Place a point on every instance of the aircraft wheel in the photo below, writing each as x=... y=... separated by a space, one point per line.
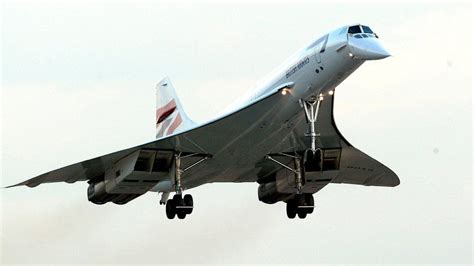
x=178 y=200
x=188 y=201
x=302 y=213
x=300 y=200
x=309 y=202
x=170 y=209
x=291 y=209
x=181 y=214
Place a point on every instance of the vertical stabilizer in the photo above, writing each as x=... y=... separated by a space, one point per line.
x=170 y=116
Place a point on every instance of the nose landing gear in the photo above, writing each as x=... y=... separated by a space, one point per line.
x=311 y=110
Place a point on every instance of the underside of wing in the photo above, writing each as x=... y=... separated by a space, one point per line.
x=210 y=138
x=335 y=159
x=354 y=166
x=360 y=169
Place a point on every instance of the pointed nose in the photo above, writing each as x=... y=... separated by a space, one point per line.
x=368 y=49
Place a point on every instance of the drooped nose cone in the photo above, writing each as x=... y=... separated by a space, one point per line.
x=367 y=48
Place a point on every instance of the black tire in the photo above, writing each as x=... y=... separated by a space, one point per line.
x=291 y=209
x=188 y=201
x=302 y=213
x=178 y=200
x=309 y=202
x=181 y=214
x=170 y=209
x=300 y=200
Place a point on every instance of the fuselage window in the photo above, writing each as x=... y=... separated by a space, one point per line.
x=357 y=36
x=367 y=29
x=354 y=29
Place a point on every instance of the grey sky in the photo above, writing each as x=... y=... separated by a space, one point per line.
x=78 y=82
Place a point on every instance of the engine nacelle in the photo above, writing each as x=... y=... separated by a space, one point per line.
x=131 y=177
x=97 y=194
x=268 y=193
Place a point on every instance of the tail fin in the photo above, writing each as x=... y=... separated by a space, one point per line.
x=170 y=116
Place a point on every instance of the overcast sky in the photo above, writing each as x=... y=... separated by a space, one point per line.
x=78 y=82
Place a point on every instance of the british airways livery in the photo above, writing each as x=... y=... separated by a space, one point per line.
x=281 y=135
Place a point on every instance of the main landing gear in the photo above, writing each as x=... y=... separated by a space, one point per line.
x=180 y=205
x=302 y=204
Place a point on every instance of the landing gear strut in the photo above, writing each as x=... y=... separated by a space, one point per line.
x=311 y=110
x=302 y=204
x=298 y=171
x=181 y=206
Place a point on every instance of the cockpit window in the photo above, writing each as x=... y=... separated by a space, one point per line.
x=367 y=29
x=363 y=35
x=354 y=29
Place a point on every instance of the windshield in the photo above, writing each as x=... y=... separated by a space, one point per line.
x=361 y=31
x=367 y=29
x=354 y=29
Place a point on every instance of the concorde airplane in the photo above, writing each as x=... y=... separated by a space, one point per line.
x=281 y=134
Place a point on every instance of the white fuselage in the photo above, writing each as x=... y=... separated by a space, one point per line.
x=317 y=68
